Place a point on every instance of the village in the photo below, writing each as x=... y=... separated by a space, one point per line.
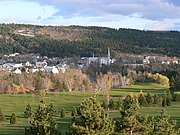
x=30 y=63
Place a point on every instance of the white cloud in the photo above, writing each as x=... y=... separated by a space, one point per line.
x=138 y=14
x=19 y=11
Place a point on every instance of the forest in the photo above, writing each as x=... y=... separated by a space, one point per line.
x=68 y=41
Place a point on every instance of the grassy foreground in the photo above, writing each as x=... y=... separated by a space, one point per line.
x=17 y=104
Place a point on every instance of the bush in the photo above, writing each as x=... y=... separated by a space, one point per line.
x=13 y=119
x=63 y=113
x=74 y=112
x=104 y=104
x=118 y=104
x=111 y=104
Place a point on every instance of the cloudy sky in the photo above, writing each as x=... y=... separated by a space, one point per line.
x=136 y=14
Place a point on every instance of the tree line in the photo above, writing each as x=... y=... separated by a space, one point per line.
x=90 y=118
x=84 y=41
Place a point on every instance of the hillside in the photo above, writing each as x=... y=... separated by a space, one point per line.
x=67 y=41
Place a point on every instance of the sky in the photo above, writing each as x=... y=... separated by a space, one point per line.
x=135 y=14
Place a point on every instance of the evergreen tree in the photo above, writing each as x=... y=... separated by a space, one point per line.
x=74 y=112
x=164 y=125
x=142 y=100
x=2 y=118
x=43 y=122
x=164 y=100
x=104 y=105
x=169 y=98
x=28 y=112
x=156 y=99
x=13 y=119
x=149 y=98
x=118 y=104
x=111 y=104
x=175 y=84
x=63 y=113
x=93 y=120
x=130 y=121
x=51 y=109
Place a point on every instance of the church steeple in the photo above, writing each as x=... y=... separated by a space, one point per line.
x=109 y=56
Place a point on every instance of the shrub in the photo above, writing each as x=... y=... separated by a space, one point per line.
x=13 y=119
x=74 y=112
x=63 y=113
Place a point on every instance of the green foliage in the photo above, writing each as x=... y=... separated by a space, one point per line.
x=130 y=121
x=13 y=119
x=85 y=40
x=175 y=84
x=142 y=100
x=93 y=120
x=74 y=112
x=104 y=104
x=63 y=113
x=159 y=79
x=43 y=122
x=2 y=117
x=169 y=98
x=118 y=104
x=149 y=98
x=164 y=125
x=164 y=101
x=157 y=99
x=28 y=112
x=111 y=104
x=129 y=112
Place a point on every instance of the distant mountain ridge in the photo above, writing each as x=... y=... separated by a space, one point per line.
x=67 y=41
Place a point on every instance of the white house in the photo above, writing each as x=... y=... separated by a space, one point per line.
x=10 y=66
x=17 y=71
x=33 y=70
x=93 y=59
x=146 y=61
x=52 y=69
x=17 y=65
x=175 y=62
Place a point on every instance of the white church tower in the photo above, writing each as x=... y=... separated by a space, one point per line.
x=109 y=56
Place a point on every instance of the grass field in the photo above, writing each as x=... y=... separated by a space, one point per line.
x=17 y=104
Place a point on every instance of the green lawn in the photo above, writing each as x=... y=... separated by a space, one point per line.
x=17 y=104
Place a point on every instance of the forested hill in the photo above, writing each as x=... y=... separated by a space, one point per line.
x=67 y=41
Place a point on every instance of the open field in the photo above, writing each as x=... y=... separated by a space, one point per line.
x=17 y=104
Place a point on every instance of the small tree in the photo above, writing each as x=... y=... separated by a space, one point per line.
x=149 y=98
x=43 y=122
x=168 y=99
x=13 y=119
x=63 y=113
x=93 y=120
x=118 y=104
x=74 y=112
x=142 y=100
x=2 y=118
x=164 y=125
x=130 y=121
x=104 y=105
x=156 y=99
x=28 y=112
x=164 y=100
x=111 y=104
